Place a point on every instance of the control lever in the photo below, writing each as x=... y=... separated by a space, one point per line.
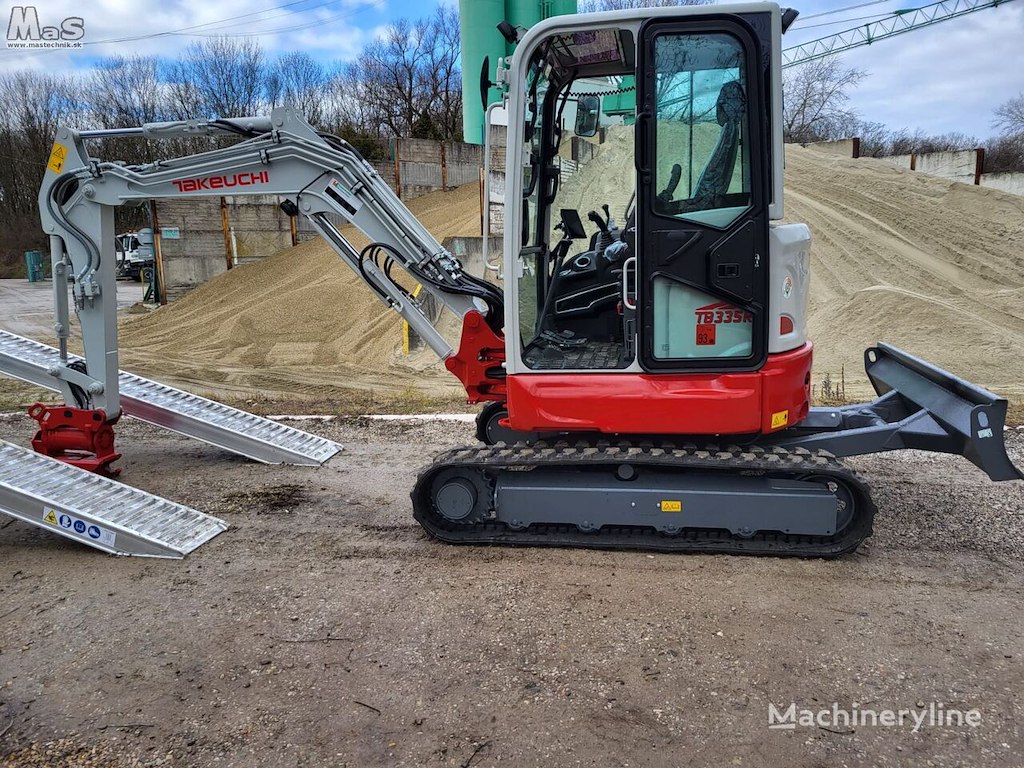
x=595 y=217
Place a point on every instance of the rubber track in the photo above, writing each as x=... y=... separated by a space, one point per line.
x=773 y=461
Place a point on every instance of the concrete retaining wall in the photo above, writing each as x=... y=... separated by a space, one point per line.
x=963 y=165
x=1007 y=182
x=900 y=161
x=201 y=251
x=470 y=251
x=840 y=147
x=958 y=166
x=424 y=166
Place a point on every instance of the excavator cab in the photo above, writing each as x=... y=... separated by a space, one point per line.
x=672 y=278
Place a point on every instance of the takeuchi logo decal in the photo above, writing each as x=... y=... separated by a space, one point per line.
x=222 y=182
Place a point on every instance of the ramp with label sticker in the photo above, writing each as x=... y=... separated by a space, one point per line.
x=97 y=511
x=229 y=428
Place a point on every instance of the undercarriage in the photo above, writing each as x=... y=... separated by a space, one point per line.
x=784 y=494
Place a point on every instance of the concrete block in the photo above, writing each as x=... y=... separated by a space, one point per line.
x=1008 y=181
x=958 y=166
x=470 y=251
x=840 y=147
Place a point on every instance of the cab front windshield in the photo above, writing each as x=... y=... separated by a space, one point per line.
x=578 y=193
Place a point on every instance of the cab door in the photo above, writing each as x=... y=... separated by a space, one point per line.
x=702 y=196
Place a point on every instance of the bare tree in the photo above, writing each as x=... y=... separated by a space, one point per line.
x=221 y=77
x=1005 y=153
x=390 y=70
x=300 y=81
x=126 y=91
x=408 y=81
x=442 y=77
x=32 y=105
x=1009 y=116
x=815 y=95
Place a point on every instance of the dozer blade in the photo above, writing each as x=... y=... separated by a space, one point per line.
x=919 y=406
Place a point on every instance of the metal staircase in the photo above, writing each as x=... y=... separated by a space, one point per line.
x=96 y=511
x=229 y=428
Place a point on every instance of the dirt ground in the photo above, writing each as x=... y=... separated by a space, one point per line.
x=325 y=629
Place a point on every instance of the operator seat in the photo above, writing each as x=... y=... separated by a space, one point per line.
x=714 y=180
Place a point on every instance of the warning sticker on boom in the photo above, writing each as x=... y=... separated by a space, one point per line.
x=57 y=156
x=83 y=529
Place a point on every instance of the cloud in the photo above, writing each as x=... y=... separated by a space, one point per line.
x=948 y=77
x=943 y=78
x=327 y=28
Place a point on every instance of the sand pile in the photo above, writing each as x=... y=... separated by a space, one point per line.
x=296 y=323
x=930 y=265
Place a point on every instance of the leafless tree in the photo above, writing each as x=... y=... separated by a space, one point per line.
x=299 y=80
x=442 y=77
x=408 y=80
x=220 y=77
x=1005 y=153
x=32 y=105
x=815 y=97
x=1009 y=116
x=125 y=91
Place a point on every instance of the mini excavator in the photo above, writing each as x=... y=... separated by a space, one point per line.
x=644 y=386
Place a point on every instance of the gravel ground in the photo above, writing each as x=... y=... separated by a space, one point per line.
x=325 y=629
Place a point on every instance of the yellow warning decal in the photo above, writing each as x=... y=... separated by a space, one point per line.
x=57 y=156
x=50 y=517
x=780 y=419
x=671 y=506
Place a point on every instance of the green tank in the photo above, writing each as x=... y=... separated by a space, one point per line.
x=478 y=24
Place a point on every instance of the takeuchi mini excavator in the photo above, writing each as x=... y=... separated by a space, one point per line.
x=645 y=376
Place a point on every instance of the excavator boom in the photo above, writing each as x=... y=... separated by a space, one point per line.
x=319 y=177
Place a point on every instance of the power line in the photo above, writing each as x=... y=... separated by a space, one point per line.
x=190 y=31
x=228 y=23
x=898 y=23
x=296 y=27
x=186 y=31
x=150 y=35
x=844 y=21
x=838 y=10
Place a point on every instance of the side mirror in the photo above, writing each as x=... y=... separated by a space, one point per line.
x=588 y=114
x=485 y=81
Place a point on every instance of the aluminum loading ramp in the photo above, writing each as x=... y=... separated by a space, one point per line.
x=229 y=428
x=97 y=511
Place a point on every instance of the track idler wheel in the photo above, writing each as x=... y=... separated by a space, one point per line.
x=462 y=496
x=845 y=503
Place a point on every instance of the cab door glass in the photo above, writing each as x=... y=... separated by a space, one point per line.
x=702 y=170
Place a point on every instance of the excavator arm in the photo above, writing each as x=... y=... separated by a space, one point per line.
x=319 y=176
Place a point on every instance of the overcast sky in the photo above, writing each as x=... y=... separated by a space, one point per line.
x=945 y=78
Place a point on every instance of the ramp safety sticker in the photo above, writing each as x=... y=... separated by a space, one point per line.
x=84 y=530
